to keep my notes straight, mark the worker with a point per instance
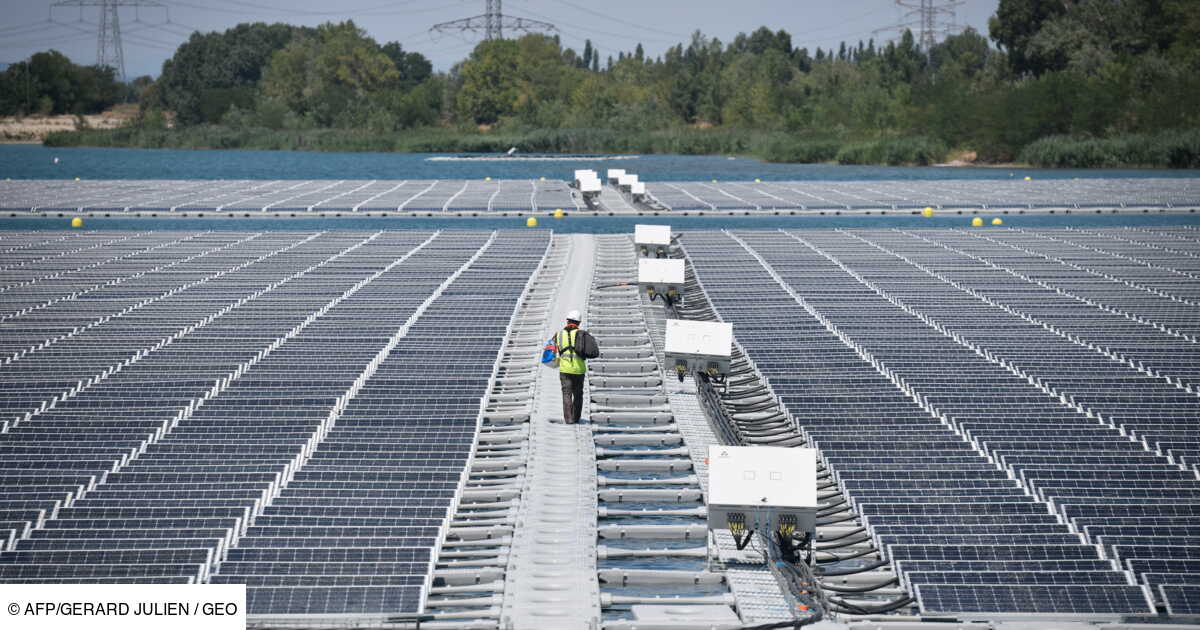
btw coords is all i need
(572, 366)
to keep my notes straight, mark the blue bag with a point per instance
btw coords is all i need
(550, 354)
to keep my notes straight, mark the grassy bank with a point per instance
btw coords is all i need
(1180, 149)
(1177, 149)
(769, 146)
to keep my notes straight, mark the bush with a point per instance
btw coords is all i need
(1176, 149)
(919, 151)
(799, 151)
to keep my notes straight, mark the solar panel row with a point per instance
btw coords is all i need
(236, 400)
(285, 196)
(877, 340)
(913, 195)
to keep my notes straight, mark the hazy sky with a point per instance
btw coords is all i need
(151, 34)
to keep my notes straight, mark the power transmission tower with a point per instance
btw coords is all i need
(109, 51)
(928, 18)
(492, 23)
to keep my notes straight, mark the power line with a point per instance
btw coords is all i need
(109, 50)
(492, 23)
(930, 18)
(632, 38)
(871, 11)
(620, 21)
(259, 10)
(47, 23)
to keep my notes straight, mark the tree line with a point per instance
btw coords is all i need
(48, 83)
(1100, 82)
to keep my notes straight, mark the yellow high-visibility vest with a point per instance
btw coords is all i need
(569, 360)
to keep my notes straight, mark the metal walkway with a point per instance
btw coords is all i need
(551, 580)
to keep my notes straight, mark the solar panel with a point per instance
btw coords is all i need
(993, 552)
(262, 600)
(1017, 577)
(1101, 601)
(370, 501)
(1181, 599)
(1171, 578)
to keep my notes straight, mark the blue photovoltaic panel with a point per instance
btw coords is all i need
(262, 600)
(1099, 600)
(1181, 599)
(1171, 578)
(880, 289)
(291, 320)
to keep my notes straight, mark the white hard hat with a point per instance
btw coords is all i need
(573, 315)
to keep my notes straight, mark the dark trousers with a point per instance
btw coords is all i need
(572, 392)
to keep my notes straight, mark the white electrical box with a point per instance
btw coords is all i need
(614, 173)
(626, 182)
(653, 241)
(762, 487)
(638, 190)
(589, 186)
(661, 276)
(693, 346)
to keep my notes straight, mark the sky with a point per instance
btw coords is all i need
(151, 32)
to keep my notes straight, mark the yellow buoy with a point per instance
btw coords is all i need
(1028, 178)
(541, 179)
(757, 180)
(487, 179)
(558, 213)
(76, 222)
(531, 222)
(997, 221)
(76, 179)
(714, 181)
(976, 222)
(927, 212)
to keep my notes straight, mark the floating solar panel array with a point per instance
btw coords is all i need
(292, 411)
(1014, 415)
(914, 195)
(287, 196)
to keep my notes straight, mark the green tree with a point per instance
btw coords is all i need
(329, 76)
(1015, 23)
(489, 85)
(212, 71)
(413, 67)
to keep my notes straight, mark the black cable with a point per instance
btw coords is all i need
(710, 402)
(837, 558)
(853, 570)
(852, 532)
(854, 609)
(758, 391)
(835, 521)
(847, 543)
(794, 623)
(860, 589)
(836, 508)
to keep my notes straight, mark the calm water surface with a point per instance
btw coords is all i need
(37, 162)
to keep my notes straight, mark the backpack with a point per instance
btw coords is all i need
(588, 348)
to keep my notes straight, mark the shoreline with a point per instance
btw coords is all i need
(443, 142)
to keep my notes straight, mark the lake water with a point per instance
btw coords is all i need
(37, 162)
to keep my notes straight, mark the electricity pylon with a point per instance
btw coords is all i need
(929, 19)
(109, 51)
(493, 22)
